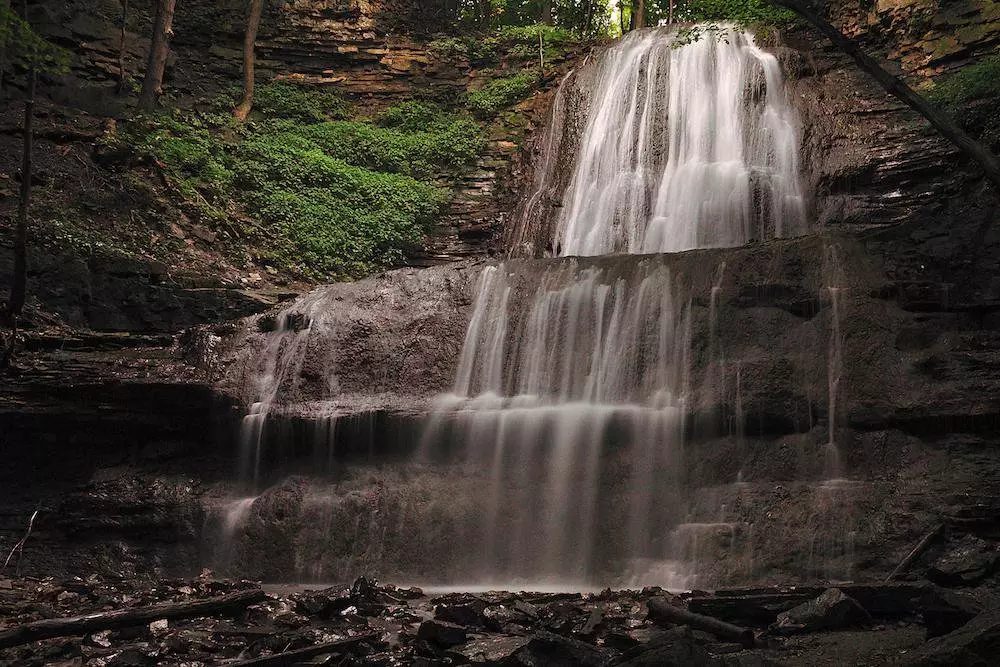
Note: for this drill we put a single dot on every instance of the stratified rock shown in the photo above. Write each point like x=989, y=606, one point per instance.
x=976, y=644
x=830, y=611
x=497, y=650
x=442, y=633
x=547, y=649
x=945, y=611
x=674, y=648
x=965, y=564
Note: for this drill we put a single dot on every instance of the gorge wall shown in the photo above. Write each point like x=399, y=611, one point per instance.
x=913, y=410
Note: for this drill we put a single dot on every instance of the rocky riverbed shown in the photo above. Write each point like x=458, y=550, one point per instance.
x=367, y=623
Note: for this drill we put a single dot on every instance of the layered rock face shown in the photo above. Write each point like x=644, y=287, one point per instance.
x=925, y=37
x=842, y=401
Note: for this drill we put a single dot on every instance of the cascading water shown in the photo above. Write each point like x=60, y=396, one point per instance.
x=559, y=455
x=690, y=146
x=685, y=147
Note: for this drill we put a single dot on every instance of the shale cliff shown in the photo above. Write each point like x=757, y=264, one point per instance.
x=130, y=444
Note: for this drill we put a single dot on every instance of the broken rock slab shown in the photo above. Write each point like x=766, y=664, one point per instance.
x=833, y=610
x=673, y=648
x=975, y=644
x=442, y=633
x=546, y=649
x=946, y=610
x=494, y=650
x=965, y=563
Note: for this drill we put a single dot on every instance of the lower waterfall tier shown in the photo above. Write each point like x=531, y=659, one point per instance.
x=770, y=443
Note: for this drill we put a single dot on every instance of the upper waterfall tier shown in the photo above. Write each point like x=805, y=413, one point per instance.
x=685, y=146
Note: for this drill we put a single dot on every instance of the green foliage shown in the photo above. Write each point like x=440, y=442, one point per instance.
x=284, y=99
x=517, y=41
x=499, y=94
x=23, y=47
x=972, y=96
x=340, y=219
x=974, y=82
x=528, y=34
x=744, y=13
x=335, y=197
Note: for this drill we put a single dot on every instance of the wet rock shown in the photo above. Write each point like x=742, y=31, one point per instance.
x=552, y=650
x=965, y=564
x=496, y=650
x=442, y=633
x=976, y=644
x=945, y=611
x=833, y=610
x=131, y=657
x=468, y=613
x=673, y=648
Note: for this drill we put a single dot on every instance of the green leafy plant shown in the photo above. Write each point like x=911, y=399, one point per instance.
x=744, y=13
x=501, y=93
x=284, y=99
x=972, y=96
x=337, y=197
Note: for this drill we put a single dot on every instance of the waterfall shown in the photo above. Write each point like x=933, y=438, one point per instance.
x=558, y=456
x=691, y=146
x=685, y=147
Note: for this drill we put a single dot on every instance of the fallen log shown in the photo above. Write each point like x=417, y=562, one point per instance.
x=917, y=551
x=662, y=611
x=123, y=618
x=298, y=655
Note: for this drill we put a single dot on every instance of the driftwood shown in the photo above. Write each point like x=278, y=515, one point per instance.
x=123, y=618
x=917, y=551
x=661, y=610
x=295, y=657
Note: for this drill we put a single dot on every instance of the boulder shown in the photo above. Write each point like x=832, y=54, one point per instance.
x=551, y=650
x=466, y=613
x=674, y=648
x=442, y=633
x=975, y=644
x=945, y=611
x=495, y=650
x=833, y=610
x=965, y=563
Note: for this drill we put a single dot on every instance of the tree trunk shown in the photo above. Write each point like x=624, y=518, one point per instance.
x=19, y=281
x=898, y=88
x=249, y=41
x=639, y=11
x=670, y=13
x=588, y=21
x=545, y=15
x=121, y=49
x=152, y=84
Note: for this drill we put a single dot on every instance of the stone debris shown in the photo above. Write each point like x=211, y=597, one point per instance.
x=368, y=623
x=833, y=610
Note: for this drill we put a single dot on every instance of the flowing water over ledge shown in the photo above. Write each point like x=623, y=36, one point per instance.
x=562, y=452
